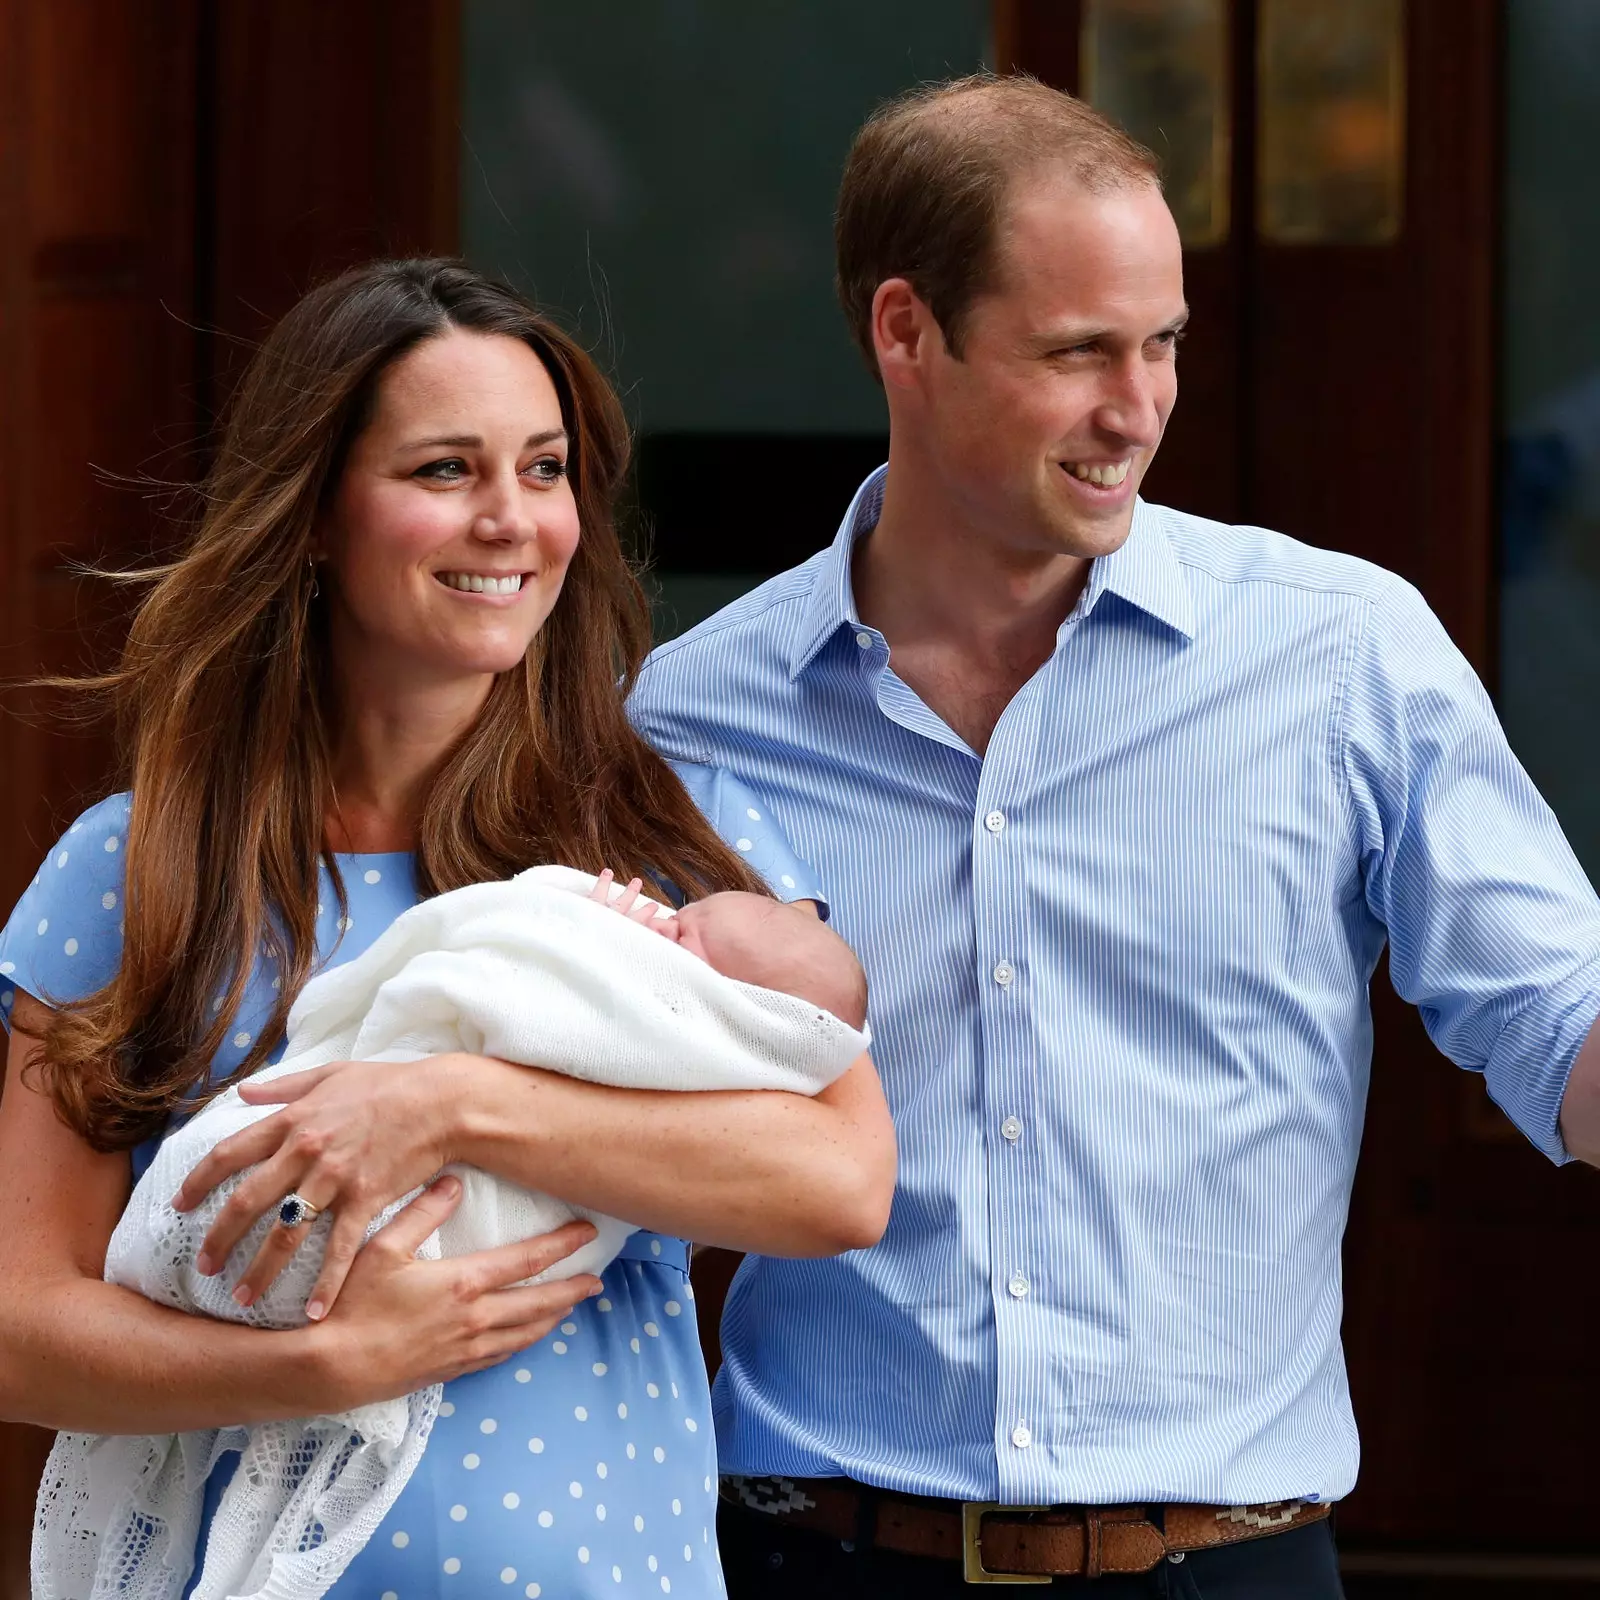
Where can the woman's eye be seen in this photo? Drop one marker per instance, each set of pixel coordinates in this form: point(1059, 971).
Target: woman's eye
point(547, 469)
point(451, 470)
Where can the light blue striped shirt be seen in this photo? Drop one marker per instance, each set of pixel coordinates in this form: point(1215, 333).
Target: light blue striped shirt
point(1119, 979)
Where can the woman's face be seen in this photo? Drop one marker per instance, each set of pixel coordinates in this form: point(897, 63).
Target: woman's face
point(452, 526)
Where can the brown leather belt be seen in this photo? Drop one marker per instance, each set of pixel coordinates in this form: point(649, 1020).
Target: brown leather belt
point(1013, 1544)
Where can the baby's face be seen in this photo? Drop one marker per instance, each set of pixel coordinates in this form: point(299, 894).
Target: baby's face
point(754, 940)
point(774, 946)
point(720, 928)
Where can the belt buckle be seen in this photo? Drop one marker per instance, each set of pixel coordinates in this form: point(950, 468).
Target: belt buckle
point(972, 1568)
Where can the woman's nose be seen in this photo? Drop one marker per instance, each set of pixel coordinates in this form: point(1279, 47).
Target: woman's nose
point(503, 514)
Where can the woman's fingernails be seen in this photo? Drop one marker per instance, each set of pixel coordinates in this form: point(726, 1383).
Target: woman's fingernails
point(204, 1265)
point(448, 1187)
point(178, 1203)
point(315, 1310)
point(244, 1294)
point(594, 1291)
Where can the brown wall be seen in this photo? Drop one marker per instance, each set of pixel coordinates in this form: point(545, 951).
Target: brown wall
point(171, 176)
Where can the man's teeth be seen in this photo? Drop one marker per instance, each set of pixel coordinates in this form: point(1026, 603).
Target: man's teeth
point(476, 583)
point(1108, 476)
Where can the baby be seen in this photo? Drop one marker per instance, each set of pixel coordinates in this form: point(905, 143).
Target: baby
point(755, 940)
point(553, 969)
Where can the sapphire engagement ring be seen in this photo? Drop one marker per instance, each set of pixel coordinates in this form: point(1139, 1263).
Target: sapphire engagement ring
point(294, 1209)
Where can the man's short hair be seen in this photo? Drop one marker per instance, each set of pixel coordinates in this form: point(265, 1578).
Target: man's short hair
point(926, 180)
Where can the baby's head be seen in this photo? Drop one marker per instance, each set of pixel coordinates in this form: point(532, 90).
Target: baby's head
point(774, 946)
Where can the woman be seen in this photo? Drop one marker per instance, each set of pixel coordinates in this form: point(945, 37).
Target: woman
point(386, 665)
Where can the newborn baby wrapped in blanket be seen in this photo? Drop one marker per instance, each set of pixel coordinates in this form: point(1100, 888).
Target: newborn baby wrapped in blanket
point(536, 971)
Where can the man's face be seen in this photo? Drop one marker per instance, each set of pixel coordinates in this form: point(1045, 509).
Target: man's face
point(1067, 372)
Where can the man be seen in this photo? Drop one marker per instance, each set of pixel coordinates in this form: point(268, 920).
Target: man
point(1119, 807)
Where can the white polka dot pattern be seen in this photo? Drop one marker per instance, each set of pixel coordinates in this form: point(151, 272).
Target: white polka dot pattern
point(498, 1501)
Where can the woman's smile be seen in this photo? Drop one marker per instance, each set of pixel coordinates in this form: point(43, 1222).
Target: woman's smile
point(490, 586)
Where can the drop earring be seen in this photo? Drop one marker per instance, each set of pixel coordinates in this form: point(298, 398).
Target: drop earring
point(315, 587)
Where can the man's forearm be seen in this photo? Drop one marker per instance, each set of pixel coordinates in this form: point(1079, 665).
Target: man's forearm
point(1580, 1106)
point(753, 1170)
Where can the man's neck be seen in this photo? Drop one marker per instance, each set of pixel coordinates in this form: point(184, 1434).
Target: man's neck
point(968, 619)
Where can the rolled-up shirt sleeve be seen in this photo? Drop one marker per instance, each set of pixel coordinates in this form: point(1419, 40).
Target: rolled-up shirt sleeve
point(1494, 929)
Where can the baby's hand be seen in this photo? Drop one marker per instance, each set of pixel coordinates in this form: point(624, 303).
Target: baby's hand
point(628, 903)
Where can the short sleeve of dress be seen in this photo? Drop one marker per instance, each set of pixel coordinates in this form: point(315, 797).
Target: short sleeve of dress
point(64, 938)
point(744, 822)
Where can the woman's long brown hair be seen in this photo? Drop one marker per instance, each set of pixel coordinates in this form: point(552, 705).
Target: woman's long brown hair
point(223, 720)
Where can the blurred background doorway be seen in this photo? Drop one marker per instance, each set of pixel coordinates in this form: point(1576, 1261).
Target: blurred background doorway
point(1389, 209)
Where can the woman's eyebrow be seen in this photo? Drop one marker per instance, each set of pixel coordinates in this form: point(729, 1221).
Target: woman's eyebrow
point(472, 441)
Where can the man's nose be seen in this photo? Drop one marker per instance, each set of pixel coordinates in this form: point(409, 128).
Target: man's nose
point(1130, 404)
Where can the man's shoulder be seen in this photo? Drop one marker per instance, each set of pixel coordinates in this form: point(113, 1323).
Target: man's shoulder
point(759, 628)
point(1242, 554)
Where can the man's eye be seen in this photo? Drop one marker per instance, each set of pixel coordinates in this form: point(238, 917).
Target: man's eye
point(450, 470)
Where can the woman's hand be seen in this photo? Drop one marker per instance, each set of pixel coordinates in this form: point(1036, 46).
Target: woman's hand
point(403, 1323)
point(352, 1138)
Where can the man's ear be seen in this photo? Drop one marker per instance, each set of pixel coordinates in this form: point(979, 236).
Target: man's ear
point(902, 326)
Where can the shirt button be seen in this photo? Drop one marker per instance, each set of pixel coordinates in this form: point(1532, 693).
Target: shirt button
point(1022, 1436)
point(1004, 972)
point(1011, 1128)
point(995, 821)
point(864, 639)
point(1018, 1286)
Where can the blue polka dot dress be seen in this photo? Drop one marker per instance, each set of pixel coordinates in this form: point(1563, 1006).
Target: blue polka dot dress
point(584, 1465)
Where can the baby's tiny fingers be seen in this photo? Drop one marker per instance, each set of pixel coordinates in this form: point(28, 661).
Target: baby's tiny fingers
point(602, 886)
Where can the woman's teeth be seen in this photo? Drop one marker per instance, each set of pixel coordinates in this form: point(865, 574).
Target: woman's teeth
point(1107, 476)
point(476, 583)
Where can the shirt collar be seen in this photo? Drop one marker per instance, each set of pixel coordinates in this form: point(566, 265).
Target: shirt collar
point(833, 601)
point(1144, 570)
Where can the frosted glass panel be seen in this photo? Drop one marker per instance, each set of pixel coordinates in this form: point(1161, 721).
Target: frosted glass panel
point(665, 172)
point(1331, 79)
point(1550, 530)
point(1160, 69)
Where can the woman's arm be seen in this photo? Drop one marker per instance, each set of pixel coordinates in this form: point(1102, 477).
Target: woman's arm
point(79, 1353)
point(782, 1174)
point(754, 1169)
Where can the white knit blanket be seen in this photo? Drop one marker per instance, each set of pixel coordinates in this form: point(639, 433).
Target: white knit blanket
point(529, 971)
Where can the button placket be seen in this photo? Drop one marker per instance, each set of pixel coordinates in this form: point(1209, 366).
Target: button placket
point(1000, 909)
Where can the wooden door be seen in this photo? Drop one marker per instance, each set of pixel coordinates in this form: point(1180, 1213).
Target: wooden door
point(96, 384)
point(1345, 394)
point(172, 178)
